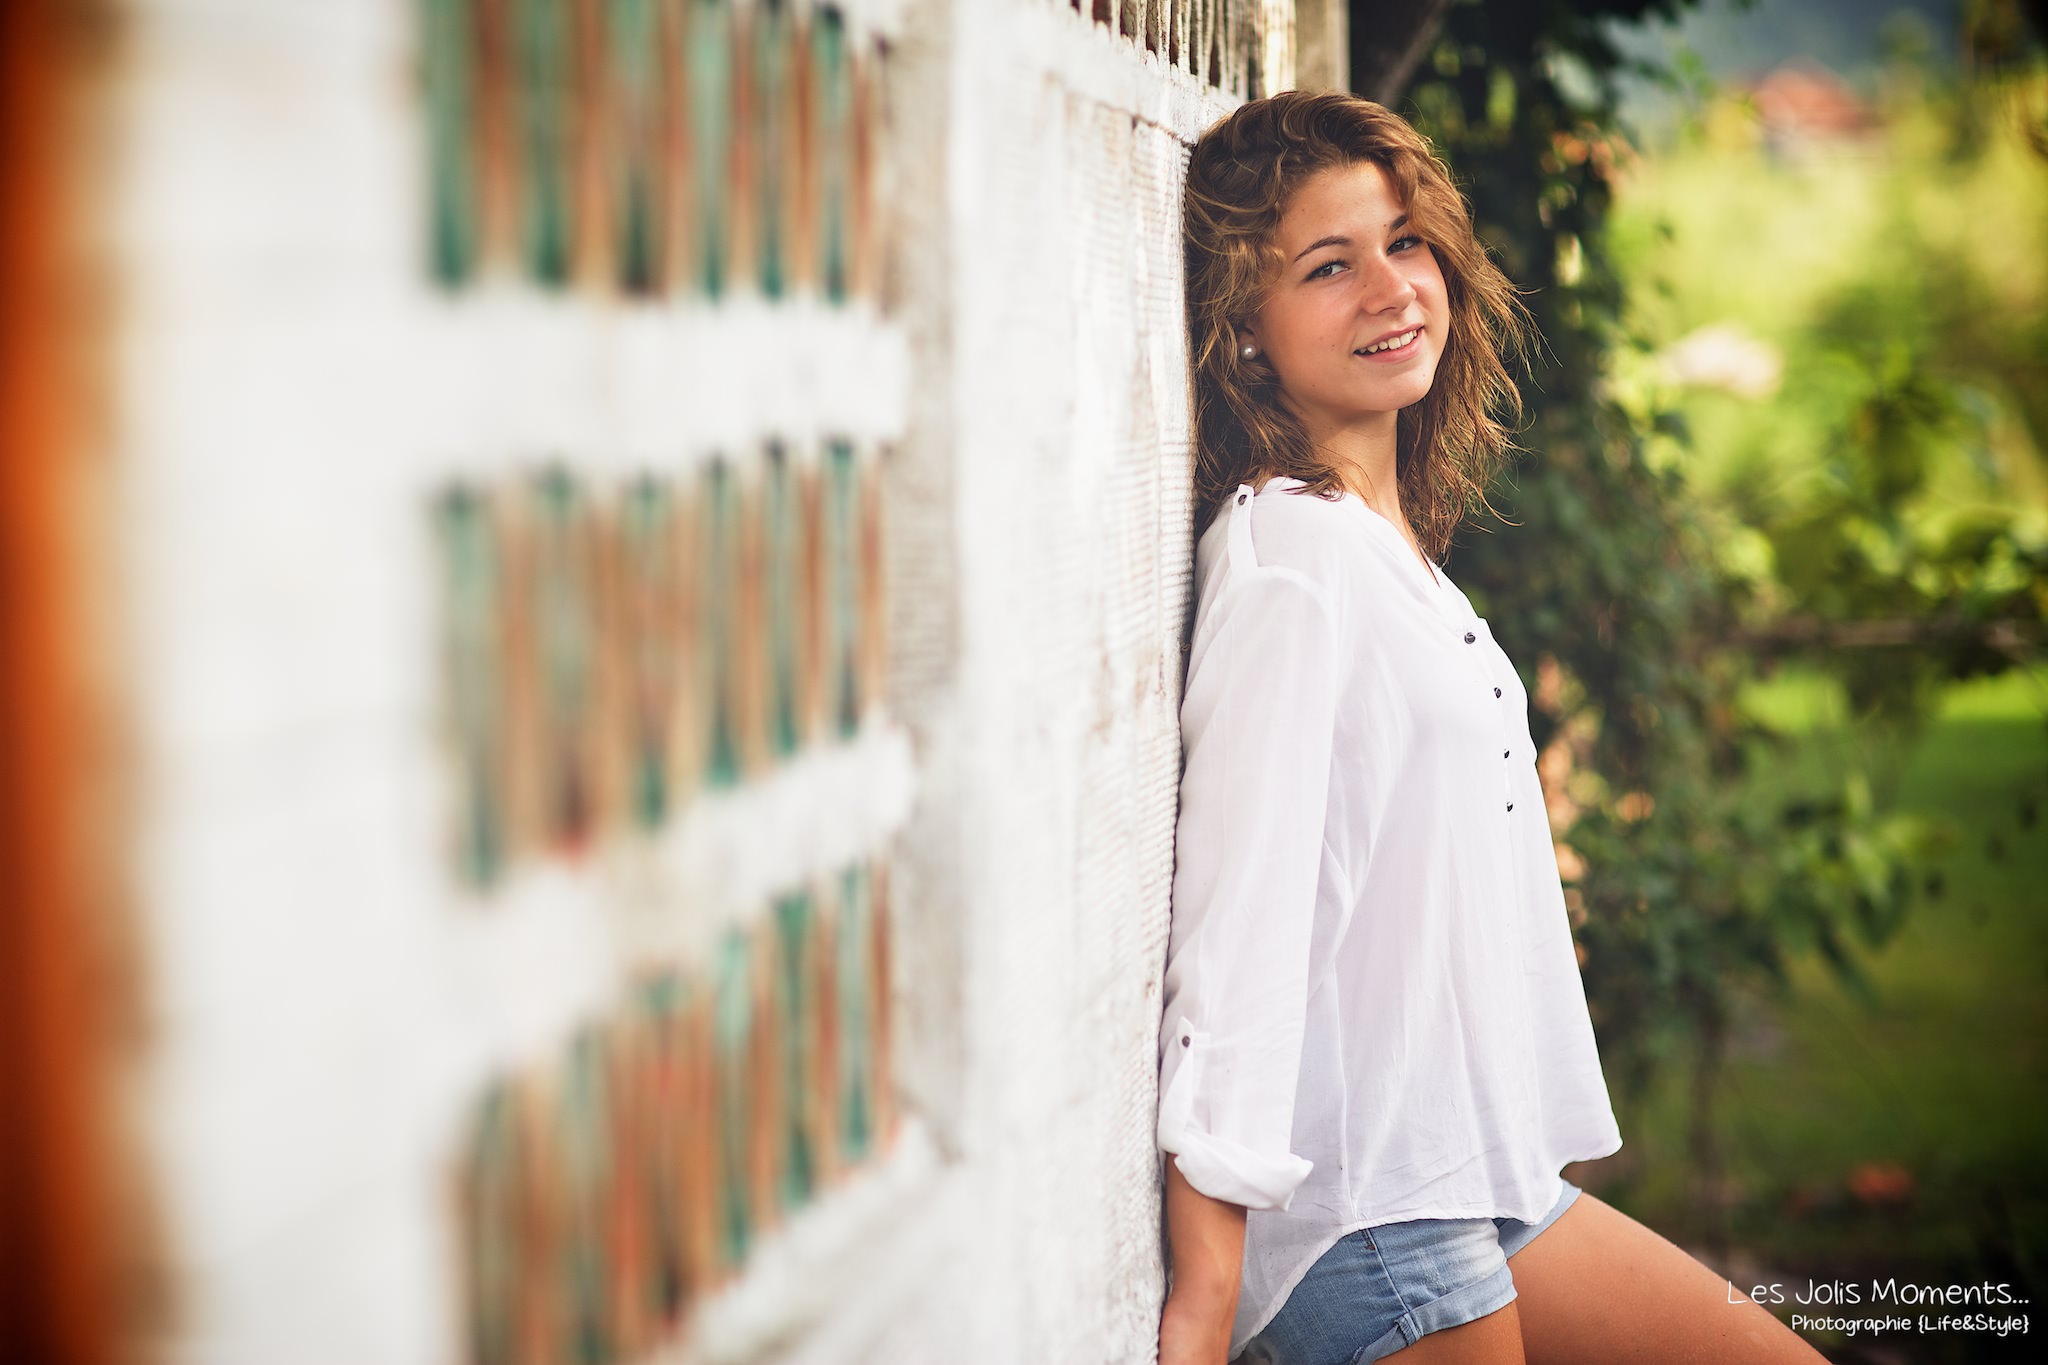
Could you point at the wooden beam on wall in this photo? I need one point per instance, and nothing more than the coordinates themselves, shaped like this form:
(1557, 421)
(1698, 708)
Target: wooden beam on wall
(1322, 44)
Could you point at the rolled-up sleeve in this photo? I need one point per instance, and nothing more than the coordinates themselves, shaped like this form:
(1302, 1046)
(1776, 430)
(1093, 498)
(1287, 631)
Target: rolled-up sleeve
(1258, 717)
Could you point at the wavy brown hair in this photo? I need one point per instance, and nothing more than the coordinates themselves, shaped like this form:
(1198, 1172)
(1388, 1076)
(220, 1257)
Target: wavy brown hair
(1240, 178)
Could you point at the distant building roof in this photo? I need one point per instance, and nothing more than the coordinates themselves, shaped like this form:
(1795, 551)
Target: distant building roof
(1803, 101)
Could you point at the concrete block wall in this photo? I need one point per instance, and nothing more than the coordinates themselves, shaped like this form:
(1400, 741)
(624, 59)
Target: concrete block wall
(328, 998)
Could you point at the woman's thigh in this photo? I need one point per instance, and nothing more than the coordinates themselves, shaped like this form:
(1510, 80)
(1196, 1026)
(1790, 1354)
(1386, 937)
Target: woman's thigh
(1599, 1288)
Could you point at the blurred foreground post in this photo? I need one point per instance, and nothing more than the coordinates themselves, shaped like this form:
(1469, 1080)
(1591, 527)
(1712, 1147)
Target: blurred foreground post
(53, 1286)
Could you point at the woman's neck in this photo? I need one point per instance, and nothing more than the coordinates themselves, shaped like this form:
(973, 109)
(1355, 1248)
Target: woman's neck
(1364, 452)
(1376, 486)
(1379, 488)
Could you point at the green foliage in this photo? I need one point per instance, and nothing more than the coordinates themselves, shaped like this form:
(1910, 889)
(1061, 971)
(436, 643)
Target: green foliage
(1934, 1081)
(1893, 473)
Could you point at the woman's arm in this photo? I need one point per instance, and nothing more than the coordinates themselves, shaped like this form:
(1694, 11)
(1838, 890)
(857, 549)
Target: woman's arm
(1206, 1239)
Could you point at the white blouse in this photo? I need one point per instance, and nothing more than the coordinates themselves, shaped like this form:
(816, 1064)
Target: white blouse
(1373, 1010)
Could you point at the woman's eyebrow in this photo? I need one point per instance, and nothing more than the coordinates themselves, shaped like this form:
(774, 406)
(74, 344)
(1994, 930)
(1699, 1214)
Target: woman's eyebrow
(1322, 242)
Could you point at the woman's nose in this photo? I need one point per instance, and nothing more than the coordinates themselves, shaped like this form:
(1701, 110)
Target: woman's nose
(1383, 286)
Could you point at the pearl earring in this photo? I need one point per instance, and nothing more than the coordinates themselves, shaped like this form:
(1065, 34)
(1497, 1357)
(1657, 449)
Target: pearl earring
(1250, 352)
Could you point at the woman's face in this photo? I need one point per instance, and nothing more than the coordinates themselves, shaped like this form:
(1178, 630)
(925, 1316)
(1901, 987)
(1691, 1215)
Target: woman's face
(1356, 275)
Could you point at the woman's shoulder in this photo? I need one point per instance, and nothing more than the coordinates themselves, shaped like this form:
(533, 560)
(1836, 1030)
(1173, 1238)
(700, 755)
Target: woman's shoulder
(1294, 527)
(1270, 533)
(1358, 565)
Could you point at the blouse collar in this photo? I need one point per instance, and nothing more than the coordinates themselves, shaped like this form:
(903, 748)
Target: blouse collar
(1434, 589)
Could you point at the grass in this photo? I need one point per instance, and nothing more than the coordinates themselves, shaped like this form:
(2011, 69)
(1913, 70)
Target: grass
(1906, 1134)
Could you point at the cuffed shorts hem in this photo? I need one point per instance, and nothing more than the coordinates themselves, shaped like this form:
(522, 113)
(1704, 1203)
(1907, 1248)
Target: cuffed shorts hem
(1389, 1286)
(1454, 1309)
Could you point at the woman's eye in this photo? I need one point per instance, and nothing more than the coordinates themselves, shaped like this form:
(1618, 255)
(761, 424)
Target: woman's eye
(1317, 273)
(1407, 243)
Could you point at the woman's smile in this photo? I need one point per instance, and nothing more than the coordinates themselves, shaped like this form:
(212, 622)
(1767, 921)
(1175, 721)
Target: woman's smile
(1399, 347)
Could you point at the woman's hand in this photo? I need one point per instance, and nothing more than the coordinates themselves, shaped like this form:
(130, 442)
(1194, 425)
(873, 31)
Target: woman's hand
(1194, 1329)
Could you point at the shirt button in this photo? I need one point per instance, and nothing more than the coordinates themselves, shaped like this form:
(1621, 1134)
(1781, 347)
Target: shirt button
(1241, 498)
(1496, 691)
(1503, 753)
(1511, 805)
(1470, 637)
(1184, 1042)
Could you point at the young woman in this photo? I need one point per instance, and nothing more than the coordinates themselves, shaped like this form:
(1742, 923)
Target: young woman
(1376, 1052)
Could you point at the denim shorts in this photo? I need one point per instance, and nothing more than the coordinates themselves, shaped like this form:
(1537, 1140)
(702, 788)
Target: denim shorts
(1379, 1289)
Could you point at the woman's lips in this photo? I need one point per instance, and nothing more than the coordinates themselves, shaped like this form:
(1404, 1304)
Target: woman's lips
(1393, 353)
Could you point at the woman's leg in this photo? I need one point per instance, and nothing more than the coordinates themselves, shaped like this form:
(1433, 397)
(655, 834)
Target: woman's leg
(1598, 1288)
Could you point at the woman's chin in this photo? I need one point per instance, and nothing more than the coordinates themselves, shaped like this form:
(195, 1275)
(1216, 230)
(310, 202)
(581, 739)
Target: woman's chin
(1391, 396)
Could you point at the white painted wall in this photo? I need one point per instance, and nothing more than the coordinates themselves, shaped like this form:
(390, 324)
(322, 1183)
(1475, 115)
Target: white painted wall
(324, 1000)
